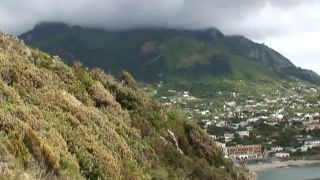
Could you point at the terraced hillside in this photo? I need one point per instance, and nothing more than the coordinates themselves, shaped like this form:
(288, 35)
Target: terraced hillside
(61, 122)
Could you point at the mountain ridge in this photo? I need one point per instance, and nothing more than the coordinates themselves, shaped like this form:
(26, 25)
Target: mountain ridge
(168, 55)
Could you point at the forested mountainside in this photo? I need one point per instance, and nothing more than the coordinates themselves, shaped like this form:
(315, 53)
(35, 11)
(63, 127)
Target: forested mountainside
(168, 55)
(63, 122)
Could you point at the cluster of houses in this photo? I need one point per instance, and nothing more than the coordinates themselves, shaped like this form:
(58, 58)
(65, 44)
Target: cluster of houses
(310, 145)
(176, 98)
(255, 152)
(241, 116)
(312, 122)
(271, 112)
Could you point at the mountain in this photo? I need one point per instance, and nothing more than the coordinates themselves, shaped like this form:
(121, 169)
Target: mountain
(168, 55)
(61, 122)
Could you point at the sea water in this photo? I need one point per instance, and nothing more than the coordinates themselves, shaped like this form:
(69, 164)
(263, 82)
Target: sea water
(291, 173)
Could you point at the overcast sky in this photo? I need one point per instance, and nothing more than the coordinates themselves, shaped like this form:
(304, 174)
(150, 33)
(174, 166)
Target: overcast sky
(289, 26)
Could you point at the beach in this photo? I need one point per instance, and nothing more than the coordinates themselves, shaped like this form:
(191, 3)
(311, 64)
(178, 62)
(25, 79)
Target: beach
(279, 164)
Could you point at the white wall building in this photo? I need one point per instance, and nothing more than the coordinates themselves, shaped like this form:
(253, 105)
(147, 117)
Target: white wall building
(276, 149)
(231, 104)
(312, 144)
(282, 155)
(243, 134)
(221, 124)
(214, 137)
(228, 137)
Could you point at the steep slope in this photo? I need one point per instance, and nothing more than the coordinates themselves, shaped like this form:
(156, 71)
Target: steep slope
(60, 122)
(167, 54)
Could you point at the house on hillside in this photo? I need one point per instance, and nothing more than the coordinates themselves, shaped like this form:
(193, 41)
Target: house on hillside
(243, 134)
(221, 124)
(228, 137)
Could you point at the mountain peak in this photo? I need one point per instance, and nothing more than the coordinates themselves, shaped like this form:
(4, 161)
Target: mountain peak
(176, 53)
(51, 25)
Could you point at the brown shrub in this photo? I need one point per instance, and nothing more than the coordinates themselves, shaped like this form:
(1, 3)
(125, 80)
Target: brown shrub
(203, 146)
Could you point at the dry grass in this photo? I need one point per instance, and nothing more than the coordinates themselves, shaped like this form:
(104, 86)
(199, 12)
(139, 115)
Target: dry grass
(60, 122)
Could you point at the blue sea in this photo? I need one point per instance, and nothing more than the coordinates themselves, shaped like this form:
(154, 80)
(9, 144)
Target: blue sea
(291, 173)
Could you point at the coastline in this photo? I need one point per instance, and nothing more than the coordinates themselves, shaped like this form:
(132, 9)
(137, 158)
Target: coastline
(280, 164)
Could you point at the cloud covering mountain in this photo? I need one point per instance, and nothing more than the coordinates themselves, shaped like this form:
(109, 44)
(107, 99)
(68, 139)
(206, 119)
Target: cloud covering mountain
(275, 22)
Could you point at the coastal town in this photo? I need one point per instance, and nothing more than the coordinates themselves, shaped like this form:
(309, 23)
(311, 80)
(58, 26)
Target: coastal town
(246, 127)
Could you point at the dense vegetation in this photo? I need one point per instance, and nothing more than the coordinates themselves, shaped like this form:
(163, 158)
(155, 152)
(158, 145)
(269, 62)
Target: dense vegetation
(61, 122)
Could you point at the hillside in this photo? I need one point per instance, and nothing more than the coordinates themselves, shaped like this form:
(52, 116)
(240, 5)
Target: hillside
(169, 55)
(61, 122)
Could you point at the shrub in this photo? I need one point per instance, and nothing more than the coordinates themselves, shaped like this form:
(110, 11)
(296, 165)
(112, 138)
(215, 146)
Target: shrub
(128, 80)
(41, 150)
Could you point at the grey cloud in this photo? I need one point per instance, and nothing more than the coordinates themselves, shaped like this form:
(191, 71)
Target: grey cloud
(266, 21)
(20, 15)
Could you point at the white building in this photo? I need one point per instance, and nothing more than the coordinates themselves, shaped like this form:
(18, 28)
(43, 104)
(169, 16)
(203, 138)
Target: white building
(312, 144)
(214, 137)
(282, 155)
(276, 149)
(205, 112)
(231, 104)
(309, 145)
(245, 156)
(221, 124)
(186, 94)
(304, 148)
(277, 117)
(243, 123)
(228, 137)
(243, 134)
(252, 120)
(207, 124)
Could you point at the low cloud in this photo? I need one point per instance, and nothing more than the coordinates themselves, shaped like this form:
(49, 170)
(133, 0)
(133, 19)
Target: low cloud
(261, 20)
(19, 15)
